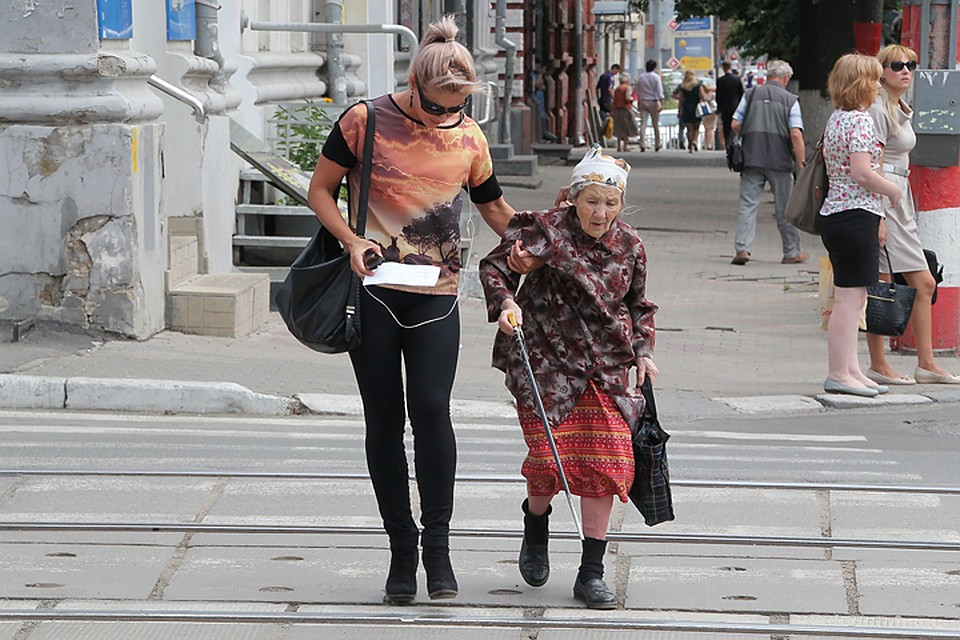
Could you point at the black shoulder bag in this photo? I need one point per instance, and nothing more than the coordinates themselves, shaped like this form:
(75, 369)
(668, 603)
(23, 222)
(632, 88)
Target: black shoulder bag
(320, 298)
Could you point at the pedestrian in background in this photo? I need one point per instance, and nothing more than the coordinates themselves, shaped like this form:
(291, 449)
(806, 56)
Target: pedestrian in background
(586, 322)
(851, 223)
(729, 93)
(891, 117)
(649, 92)
(606, 83)
(710, 119)
(624, 121)
(768, 120)
(426, 151)
(690, 94)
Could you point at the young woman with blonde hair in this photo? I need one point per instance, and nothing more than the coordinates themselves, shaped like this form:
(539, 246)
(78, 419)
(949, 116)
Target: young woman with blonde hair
(425, 154)
(852, 215)
(891, 116)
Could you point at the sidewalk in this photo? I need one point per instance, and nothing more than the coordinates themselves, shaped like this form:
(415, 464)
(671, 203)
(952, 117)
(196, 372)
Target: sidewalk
(729, 338)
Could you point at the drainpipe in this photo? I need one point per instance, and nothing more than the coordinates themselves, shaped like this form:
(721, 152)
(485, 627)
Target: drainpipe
(578, 72)
(511, 50)
(336, 77)
(207, 44)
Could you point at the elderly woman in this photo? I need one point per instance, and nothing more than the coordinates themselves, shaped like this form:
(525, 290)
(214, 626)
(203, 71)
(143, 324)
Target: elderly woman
(587, 322)
(624, 122)
(851, 222)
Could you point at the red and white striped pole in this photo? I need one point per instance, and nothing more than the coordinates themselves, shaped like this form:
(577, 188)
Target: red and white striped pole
(926, 29)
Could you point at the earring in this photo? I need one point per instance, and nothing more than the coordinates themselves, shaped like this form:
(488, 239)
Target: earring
(411, 98)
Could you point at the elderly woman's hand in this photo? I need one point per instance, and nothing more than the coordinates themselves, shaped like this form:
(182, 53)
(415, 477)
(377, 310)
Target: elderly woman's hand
(508, 308)
(646, 367)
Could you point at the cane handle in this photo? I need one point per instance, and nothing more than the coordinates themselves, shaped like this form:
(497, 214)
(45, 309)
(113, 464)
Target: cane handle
(512, 319)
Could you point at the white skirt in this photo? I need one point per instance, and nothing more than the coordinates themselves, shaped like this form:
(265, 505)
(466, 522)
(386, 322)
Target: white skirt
(903, 240)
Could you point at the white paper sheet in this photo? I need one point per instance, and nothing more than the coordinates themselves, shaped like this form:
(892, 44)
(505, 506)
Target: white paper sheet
(413, 275)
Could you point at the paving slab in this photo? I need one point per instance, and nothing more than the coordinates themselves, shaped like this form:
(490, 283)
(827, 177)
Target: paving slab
(893, 516)
(107, 499)
(744, 585)
(772, 404)
(903, 588)
(48, 571)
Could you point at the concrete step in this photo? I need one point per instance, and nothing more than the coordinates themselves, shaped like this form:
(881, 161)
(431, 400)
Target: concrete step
(501, 151)
(551, 153)
(517, 166)
(228, 305)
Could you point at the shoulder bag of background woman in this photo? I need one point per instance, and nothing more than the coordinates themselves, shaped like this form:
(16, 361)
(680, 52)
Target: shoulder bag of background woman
(809, 192)
(889, 306)
(320, 298)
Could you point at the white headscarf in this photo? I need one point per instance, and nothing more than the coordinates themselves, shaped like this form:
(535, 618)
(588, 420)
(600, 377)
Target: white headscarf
(599, 168)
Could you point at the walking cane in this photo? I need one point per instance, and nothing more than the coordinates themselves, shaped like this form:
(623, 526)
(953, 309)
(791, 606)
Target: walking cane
(518, 334)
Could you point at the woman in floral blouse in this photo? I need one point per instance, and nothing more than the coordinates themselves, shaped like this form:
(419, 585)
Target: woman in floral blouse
(587, 322)
(852, 226)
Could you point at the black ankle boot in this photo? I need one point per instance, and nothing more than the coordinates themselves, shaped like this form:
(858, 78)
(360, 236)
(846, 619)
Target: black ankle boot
(401, 587)
(589, 586)
(441, 583)
(534, 561)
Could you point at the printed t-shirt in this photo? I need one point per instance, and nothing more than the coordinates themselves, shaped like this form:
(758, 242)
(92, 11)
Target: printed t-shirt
(416, 185)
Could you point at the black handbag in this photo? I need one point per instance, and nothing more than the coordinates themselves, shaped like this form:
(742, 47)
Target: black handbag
(735, 154)
(936, 270)
(319, 299)
(650, 492)
(888, 307)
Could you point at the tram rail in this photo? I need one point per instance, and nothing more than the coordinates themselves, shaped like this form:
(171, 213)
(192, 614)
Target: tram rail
(458, 621)
(454, 619)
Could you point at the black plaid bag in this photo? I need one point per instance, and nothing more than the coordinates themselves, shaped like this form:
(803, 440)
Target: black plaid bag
(650, 492)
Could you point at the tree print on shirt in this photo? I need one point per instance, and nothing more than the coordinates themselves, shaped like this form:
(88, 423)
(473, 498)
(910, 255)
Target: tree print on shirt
(438, 231)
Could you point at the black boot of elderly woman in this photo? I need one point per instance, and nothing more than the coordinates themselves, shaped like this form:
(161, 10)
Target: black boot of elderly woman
(401, 587)
(590, 587)
(534, 561)
(441, 582)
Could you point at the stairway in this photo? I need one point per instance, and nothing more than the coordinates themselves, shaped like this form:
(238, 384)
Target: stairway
(210, 304)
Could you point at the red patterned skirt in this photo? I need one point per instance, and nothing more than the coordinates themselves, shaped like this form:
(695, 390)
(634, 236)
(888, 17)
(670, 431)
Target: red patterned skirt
(595, 448)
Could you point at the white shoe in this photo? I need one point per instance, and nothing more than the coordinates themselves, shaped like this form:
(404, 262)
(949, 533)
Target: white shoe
(879, 378)
(932, 377)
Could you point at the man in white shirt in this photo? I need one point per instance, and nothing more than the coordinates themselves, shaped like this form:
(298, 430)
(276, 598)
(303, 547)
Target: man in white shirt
(649, 90)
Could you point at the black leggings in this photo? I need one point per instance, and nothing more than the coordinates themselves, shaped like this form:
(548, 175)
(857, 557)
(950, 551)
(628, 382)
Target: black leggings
(429, 355)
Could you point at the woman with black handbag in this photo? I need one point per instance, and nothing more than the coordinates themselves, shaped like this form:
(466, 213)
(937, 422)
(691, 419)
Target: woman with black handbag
(425, 152)
(891, 116)
(851, 222)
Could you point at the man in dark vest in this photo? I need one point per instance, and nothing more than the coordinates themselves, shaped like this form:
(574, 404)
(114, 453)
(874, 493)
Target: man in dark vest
(768, 120)
(729, 93)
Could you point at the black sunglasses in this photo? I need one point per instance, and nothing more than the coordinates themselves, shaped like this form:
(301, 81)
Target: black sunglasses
(898, 65)
(435, 109)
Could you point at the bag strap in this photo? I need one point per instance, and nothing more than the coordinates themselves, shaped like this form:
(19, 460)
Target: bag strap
(646, 388)
(367, 168)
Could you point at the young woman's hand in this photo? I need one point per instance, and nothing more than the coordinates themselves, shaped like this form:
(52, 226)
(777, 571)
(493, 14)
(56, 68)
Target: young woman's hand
(522, 261)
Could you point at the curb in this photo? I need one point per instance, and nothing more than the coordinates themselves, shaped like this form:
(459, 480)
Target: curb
(140, 396)
(174, 397)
